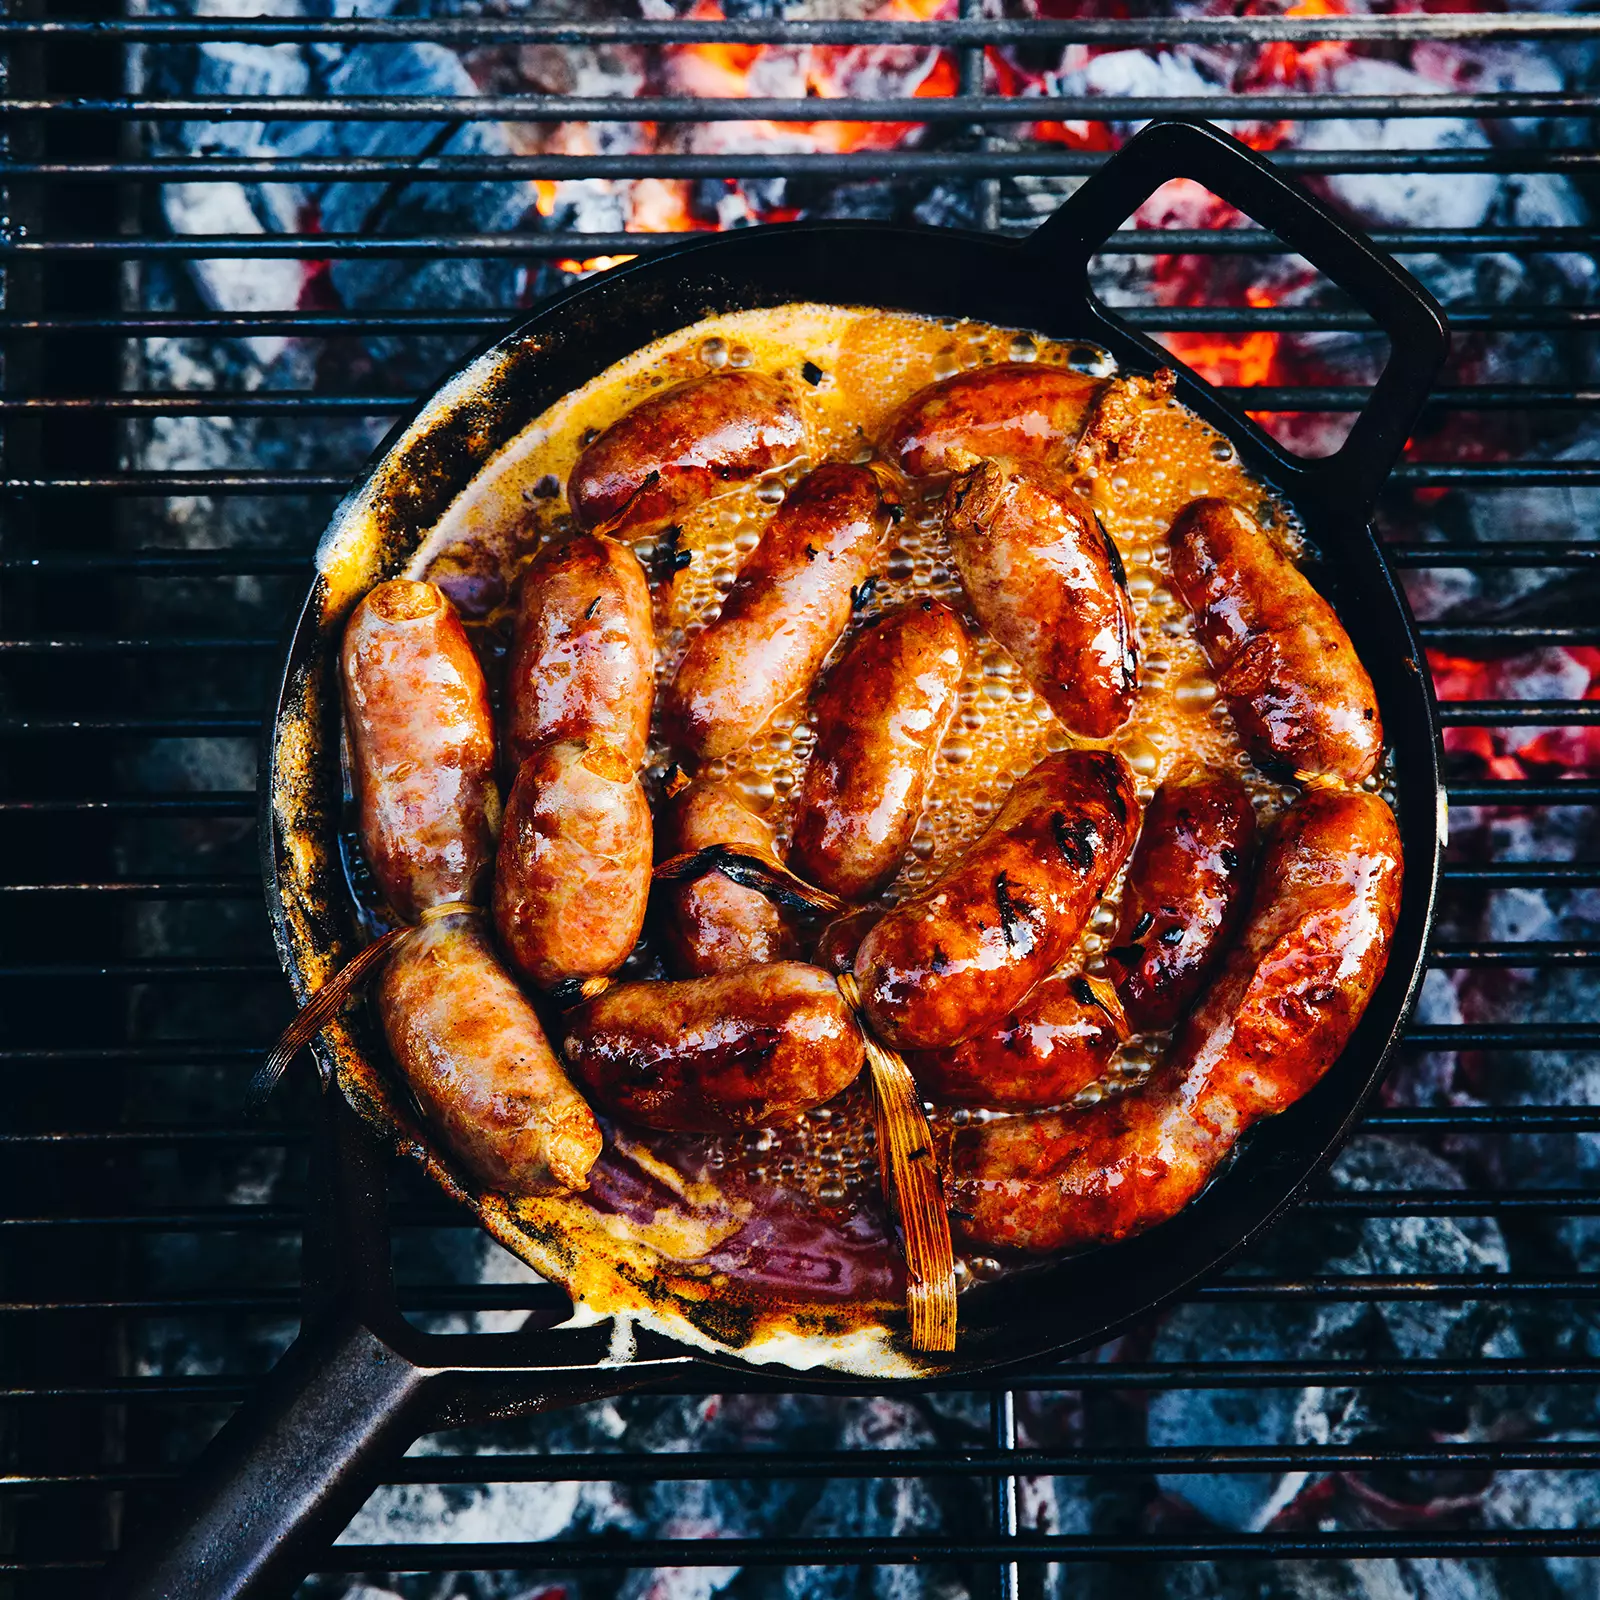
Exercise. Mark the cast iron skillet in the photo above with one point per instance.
(361, 1382)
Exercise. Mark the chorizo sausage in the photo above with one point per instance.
(748, 1049)
(1017, 411)
(1276, 1018)
(881, 718)
(790, 602)
(1058, 1040)
(421, 748)
(954, 959)
(573, 875)
(583, 656)
(471, 1047)
(1184, 895)
(689, 443)
(1299, 694)
(1045, 579)
(712, 924)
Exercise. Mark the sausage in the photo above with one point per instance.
(714, 925)
(748, 1049)
(1299, 694)
(583, 656)
(421, 748)
(573, 875)
(1276, 1018)
(1184, 895)
(1047, 582)
(1058, 1040)
(790, 602)
(471, 1047)
(953, 960)
(880, 721)
(689, 443)
(840, 939)
(1017, 411)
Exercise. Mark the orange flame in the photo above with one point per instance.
(1242, 362)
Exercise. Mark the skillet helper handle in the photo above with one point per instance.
(1349, 480)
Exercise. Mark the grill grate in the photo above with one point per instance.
(150, 1241)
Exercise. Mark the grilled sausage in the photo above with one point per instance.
(714, 925)
(1058, 1040)
(1017, 411)
(956, 958)
(1276, 1018)
(1046, 581)
(790, 602)
(583, 655)
(748, 1049)
(1299, 694)
(421, 748)
(1184, 895)
(573, 875)
(689, 443)
(471, 1047)
(880, 721)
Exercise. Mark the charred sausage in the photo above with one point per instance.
(790, 602)
(1046, 581)
(714, 925)
(1017, 411)
(687, 444)
(1276, 1018)
(1058, 1040)
(748, 1049)
(956, 958)
(471, 1047)
(583, 654)
(1299, 694)
(573, 875)
(880, 720)
(1184, 895)
(421, 748)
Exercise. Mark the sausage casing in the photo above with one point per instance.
(1184, 895)
(583, 654)
(714, 925)
(1046, 581)
(1057, 1040)
(471, 1048)
(748, 1049)
(953, 960)
(837, 943)
(788, 606)
(421, 747)
(1016, 411)
(1299, 694)
(573, 875)
(687, 444)
(1314, 946)
(880, 720)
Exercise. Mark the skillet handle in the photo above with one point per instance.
(1349, 480)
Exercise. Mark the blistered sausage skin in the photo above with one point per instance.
(749, 1049)
(1184, 896)
(689, 443)
(573, 875)
(1058, 1040)
(881, 718)
(953, 960)
(788, 606)
(1276, 1018)
(1299, 694)
(1016, 411)
(471, 1047)
(1046, 581)
(421, 748)
(583, 651)
(714, 925)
